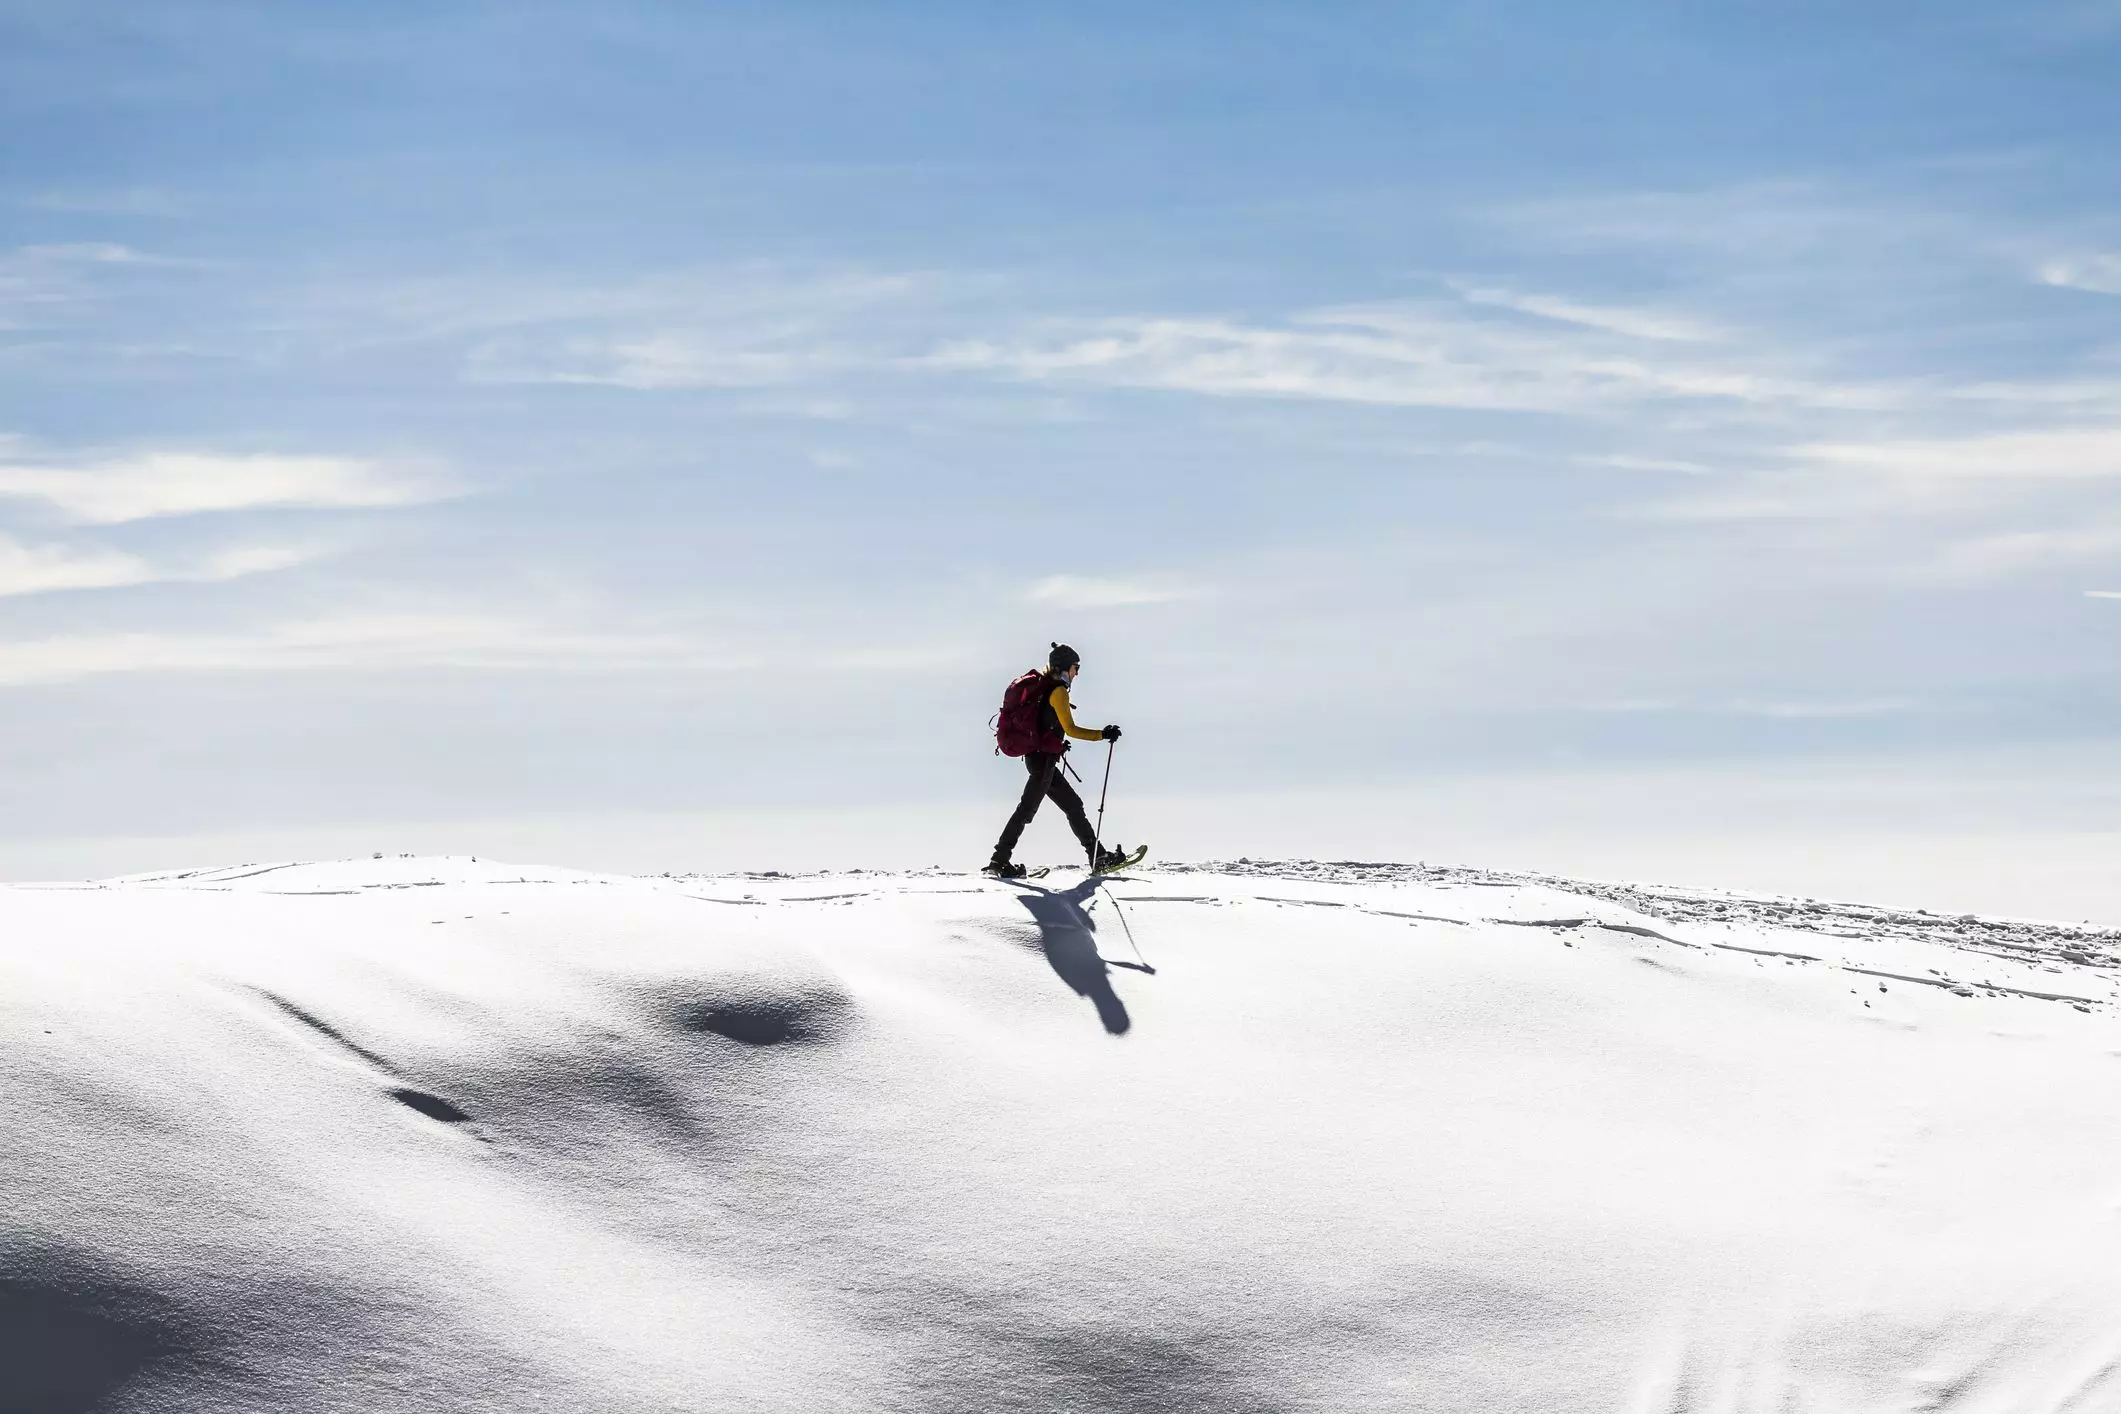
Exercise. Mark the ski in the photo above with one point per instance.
(1140, 853)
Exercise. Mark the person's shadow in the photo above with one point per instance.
(1068, 936)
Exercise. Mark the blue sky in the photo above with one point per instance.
(650, 435)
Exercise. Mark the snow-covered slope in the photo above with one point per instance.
(419, 1134)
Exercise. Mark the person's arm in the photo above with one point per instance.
(1059, 699)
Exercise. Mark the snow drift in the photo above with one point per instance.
(395, 1135)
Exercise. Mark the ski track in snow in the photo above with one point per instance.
(2023, 948)
(440, 1134)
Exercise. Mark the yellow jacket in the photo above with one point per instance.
(1059, 701)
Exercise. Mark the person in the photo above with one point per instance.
(1048, 778)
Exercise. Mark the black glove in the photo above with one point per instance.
(1111, 733)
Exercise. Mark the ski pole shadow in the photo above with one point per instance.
(1068, 936)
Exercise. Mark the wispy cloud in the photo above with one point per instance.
(35, 272)
(741, 326)
(1825, 709)
(2006, 553)
(41, 569)
(148, 485)
(1924, 476)
(758, 327)
(73, 298)
(348, 642)
(1753, 226)
(89, 253)
(157, 202)
(1625, 462)
(2094, 393)
(667, 361)
(2100, 274)
(45, 569)
(2069, 452)
(1067, 591)
(242, 561)
(1404, 355)
(758, 299)
(1798, 709)
(1634, 323)
(42, 283)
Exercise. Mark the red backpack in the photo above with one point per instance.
(1016, 729)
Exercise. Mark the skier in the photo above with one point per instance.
(1036, 724)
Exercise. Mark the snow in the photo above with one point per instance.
(445, 1134)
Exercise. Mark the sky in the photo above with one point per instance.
(1654, 441)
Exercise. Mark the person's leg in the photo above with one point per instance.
(1078, 819)
(1039, 766)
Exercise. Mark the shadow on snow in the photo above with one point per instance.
(1068, 936)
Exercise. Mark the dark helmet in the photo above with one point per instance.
(1062, 658)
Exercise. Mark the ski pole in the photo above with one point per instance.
(1110, 748)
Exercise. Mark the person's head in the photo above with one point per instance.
(1064, 662)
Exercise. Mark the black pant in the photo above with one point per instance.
(1047, 779)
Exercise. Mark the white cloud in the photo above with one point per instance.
(2007, 553)
(2071, 452)
(44, 278)
(1925, 476)
(155, 484)
(1750, 225)
(1803, 709)
(1067, 591)
(2102, 593)
(1625, 462)
(43, 569)
(89, 253)
(2095, 393)
(242, 561)
(740, 326)
(663, 362)
(354, 641)
(41, 284)
(1828, 710)
(46, 569)
(2100, 274)
(1634, 323)
(1403, 355)
(761, 300)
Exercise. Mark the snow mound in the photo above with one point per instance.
(399, 1135)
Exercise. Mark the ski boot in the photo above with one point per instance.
(1004, 869)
